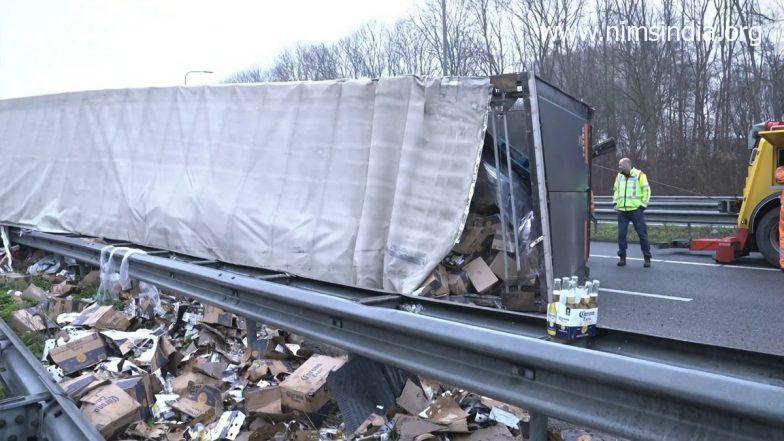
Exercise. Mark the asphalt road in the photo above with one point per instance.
(688, 296)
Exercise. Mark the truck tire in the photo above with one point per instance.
(767, 236)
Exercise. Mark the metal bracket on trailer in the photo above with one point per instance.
(630, 396)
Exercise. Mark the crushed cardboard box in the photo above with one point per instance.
(142, 389)
(265, 400)
(110, 409)
(437, 284)
(217, 316)
(30, 320)
(80, 353)
(412, 399)
(102, 318)
(35, 293)
(306, 388)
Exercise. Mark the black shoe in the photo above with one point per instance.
(622, 262)
(647, 263)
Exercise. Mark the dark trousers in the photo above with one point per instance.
(637, 218)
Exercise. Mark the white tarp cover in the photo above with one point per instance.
(361, 182)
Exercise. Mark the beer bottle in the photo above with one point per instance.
(557, 290)
(595, 294)
(586, 295)
(551, 308)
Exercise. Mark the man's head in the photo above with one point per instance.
(625, 166)
(780, 175)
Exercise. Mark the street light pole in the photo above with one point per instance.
(196, 71)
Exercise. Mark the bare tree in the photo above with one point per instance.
(669, 101)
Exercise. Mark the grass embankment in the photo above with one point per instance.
(659, 233)
(8, 304)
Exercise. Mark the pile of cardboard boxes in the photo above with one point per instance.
(482, 269)
(187, 371)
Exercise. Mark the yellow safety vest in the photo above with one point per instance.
(631, 193)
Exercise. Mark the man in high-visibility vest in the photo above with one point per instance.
(780, 180)
(631, 194)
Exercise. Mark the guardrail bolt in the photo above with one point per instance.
(2, 423)
(20, 419)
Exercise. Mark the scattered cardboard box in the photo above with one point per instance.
(492, 222)
(62, 289)
(437, 284)
(213, 369)
(181, 383)
(80, 353)
(410, 428)
(141, 389)
(166, 356)
(102, 318)
(266, 400)
(78, 386)
(497, 432)
(144, 431)
(217, 316)
(262, 368)
(497, 266)
(412, 399)
(445, 411)
(35, 293)
(29, 320)
(57, 306)
(370, 426)
(498, 243)
(110, 409)
(305, 389)
(193, 408)
(459, 283)
(211, 395)
(128, 341)
(481, 275)
(472, 239)
(90, 280)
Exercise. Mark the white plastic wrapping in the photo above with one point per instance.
(360, 182)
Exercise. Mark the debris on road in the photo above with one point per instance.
(154, 365)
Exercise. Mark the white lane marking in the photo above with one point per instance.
(683, 262)
(645, 294)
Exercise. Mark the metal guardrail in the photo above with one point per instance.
(640, 387)
(685, 210)
(36, 406)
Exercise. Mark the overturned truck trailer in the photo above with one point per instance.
(366, 183)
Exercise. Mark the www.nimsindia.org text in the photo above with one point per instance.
(627, 32)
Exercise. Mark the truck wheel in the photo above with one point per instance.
(767, 236)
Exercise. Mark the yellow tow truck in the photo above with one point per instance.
(758, 212)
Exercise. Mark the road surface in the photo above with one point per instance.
(688, 296)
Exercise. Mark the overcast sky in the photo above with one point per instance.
(49, 46)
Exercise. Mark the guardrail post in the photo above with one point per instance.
(537, 426)
(252, 333)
